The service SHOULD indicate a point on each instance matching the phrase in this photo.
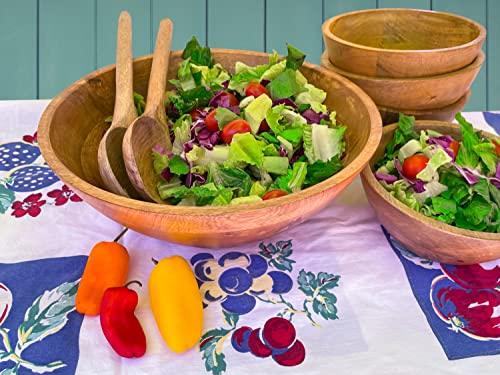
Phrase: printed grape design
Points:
(277, 339)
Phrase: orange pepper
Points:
(107, 267)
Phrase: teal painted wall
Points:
(47, 44)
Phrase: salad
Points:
(258, 134)
(454, 182)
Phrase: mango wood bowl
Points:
(422, 235)
(447, 113)
(72, 114)
(414, 93)
(402, 42)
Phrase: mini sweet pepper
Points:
(119, 324)
(176, 303)
(107, 267)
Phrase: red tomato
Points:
(211, 121)
(195, 115)
(234, 127)
(413, 165)
(255, 89)
(264, 126)
(454, 146)
(497, 147)
(233, 100)
(274, 194)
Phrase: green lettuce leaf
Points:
(402, 135)
(439, 159)
(466, 154)
(314, 97)
(276, 165)
(198, 54)
(323, 143)
(320, 170)
(244, 147)
(245, 200)
(299, 173)
(224, 116)
(284, 85)
(178, 166)
(256, 111)
(182, 133)
(234, 178)
(295, 57)
(257, 189)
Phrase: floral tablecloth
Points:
(334, 295)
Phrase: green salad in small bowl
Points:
(451, 180)
(257, 134)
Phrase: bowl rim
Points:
(369, 177)
(477, 63)
(345, 175)
(326, 29)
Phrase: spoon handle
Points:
(158, 77)
(124, 111)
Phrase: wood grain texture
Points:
(109, 153)
(107, 22)
(188, 16)
(73, 113)
(297, 23)
(67, 44)
(422, 235)
(401, 42)
(232, 22)
(390, 115)
(475, 10)
(151, 127)
(415, 93)
(18, 41)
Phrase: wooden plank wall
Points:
(47, 44)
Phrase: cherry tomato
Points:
(195, 115)
(264, 126)
(255, 89)
(454, 146)
(497, 147)
(234, 127)
(233, 100)
(274, 194)
(413, 165)
(211, 121)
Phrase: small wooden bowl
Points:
(414, 93)
(422, 235)
(72, 114)
(390, 115)
(402, 42)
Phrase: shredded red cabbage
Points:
(389, 178)
(296, 155)
(219, 100)
(285, 101)
(283, 152)
(166, 174)
(191, 178)
(265, 82)
(313, 117)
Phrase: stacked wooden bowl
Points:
(417, 62)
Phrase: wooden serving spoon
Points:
(109, 155)
(151, 128)
(88, 155)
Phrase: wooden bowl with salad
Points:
(434, 186)
(310, 134)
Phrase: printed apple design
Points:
(276, 339)
(5, 302)
(473, 311)
(475, 276)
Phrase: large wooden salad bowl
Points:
(70, 117)
(422, 235)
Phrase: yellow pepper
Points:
(176, 303)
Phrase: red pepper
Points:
(119, 324)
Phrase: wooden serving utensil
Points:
(88, 154)
(109, 155)
(151, 128)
